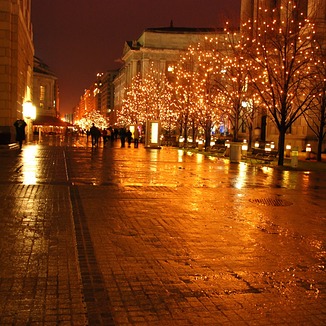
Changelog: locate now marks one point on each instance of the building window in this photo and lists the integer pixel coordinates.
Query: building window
(42, 96)
(42, 93)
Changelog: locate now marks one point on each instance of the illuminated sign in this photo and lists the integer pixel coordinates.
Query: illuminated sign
(153, 130)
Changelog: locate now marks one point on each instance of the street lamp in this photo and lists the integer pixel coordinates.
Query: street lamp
(29, 113)
(308, 152)
(244, 148)
(268, 147)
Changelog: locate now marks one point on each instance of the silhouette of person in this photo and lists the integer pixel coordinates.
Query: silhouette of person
(95, 134)
(129, 137)
(136, 137)
(105, 136)
(116, 133)
(111, 135)
(123, 136)
(20, 125)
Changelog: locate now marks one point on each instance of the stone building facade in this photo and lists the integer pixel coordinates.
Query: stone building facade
(16, 63)
(157, 47)
(106, 87)
(162, 48)
(99, 96)
(88, 102)
(315, 9)
(45, 90)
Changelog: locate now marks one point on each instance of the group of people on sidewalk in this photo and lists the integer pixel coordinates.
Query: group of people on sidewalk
(110, 134)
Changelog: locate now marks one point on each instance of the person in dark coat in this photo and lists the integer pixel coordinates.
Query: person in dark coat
(129, 137)
(20, 125)
(105, 136)
(112, 132)
(95, 134)
(123, 136)
(136, 137)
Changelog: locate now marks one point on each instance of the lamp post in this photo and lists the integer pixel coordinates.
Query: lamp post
(308, 152)
(244, 148)
(29, 113)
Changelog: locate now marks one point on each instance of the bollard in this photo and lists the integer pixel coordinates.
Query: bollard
(181, 142)
(235, 152)
(294, 157)
(288, 150)
(308, 152)
(200, 145)
(244, 148)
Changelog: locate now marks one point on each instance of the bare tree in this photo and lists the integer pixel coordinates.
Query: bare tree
(147, 98)
(250, 112)
(207, 96)
(133, 104)
(186, 92)
(280, 49)
(231, 80)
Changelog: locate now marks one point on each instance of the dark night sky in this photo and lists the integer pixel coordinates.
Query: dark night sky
(79, 38)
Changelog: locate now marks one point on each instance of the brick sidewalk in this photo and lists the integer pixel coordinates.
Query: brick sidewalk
(127, 237)
(39, 274)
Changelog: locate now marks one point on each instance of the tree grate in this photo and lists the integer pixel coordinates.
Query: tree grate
(271, 202)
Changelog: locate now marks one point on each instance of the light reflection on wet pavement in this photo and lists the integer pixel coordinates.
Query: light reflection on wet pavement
(138, 236)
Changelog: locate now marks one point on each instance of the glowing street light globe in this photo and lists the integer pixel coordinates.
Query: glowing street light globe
(29, 110)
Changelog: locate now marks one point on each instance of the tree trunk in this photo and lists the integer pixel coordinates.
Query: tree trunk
(208, 134)
(236, 125)
(185, 130)
(281, 142)
(250, 137)
(235, 130)
(321, 130)
(180, 127)
(319, 148)
(194, 132)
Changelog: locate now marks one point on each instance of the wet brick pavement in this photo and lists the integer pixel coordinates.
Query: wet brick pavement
(124, 236)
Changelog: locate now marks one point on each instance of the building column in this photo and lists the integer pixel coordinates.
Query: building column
(247, 11)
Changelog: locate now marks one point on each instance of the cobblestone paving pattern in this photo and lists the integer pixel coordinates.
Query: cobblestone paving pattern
(112, 236)
(39, 277)
(184, 243)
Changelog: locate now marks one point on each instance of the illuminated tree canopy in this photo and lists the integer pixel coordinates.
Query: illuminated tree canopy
(186, 97)
(269, 70)
(93, 117)
(148, 98)
(280, 47)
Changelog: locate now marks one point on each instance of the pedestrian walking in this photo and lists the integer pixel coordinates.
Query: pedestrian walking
(20, 125)
(111, 135)
(105, 136)
(116, 133)
(136, 137)
(95, 134)
(129, 137)
(123, 137)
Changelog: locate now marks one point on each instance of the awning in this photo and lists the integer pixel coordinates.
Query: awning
(44, 120)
